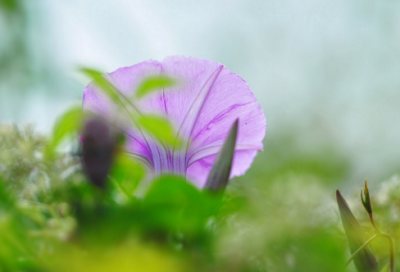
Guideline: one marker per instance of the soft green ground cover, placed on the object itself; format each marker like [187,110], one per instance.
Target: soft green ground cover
[281,216]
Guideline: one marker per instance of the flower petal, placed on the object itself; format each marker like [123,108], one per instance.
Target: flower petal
[209,102]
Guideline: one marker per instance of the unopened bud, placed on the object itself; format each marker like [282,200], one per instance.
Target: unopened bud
[366,201]
[98,145]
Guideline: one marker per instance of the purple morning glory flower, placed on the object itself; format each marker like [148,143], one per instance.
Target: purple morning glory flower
[202,108]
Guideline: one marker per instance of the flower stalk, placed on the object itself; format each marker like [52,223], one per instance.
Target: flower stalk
[366,201]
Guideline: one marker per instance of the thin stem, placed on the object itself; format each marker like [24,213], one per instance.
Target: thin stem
[373,223]
[391,251]
[387,236]
[125,102]
[379,234]
[361,248]
[117,184]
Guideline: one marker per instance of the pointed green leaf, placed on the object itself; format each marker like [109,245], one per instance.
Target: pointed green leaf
[365,260]
[68,123]
[160,128]
[101,83]
[221,170]
[116,96]
[154,83]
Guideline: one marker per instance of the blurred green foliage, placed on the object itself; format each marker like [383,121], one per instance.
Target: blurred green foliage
[281,216]
[14,52]
[283,154]
[127,173]
[386,208]
[10,5]
[278,217]
[68,125]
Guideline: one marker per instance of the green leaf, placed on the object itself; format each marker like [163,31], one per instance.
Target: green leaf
[15,243]
[154,83]
[67,124]
[160,128]
[169,203]
[172,203]
[117,97]
[102,83]
[221,170]
[10,5]
[127,173]
[365,260]
[385,268]
[6,201]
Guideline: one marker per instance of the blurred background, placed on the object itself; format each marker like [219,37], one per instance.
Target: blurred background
[327,73]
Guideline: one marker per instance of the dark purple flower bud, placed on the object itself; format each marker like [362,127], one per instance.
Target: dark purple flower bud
[98,145]
[221,170]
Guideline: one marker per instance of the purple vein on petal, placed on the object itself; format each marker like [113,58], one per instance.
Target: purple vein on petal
[142,145]
[130,104]
[136,139]
[159,158]
[205,164]
[202,97]
[164,103]
[219,116]
[125,102]
[213,150]
[141,158]
[192,114]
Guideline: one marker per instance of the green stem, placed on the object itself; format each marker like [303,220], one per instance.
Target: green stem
[379,234]
[116,183]
[361,248]
[391,267]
